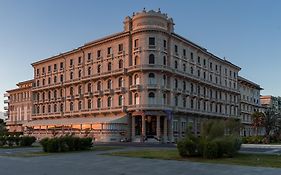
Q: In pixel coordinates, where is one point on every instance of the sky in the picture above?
(247, 33)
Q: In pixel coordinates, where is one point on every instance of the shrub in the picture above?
(26, 140)
(211, 150)
(66, 143)
(187, 147)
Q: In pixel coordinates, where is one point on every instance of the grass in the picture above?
(259, 160)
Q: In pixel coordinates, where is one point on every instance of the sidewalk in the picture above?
(261, 146)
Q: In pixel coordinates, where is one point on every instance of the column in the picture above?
(165, 129)
(170, 128)
(133, 128)
(143, 128)
(180, 129)
(158, 128)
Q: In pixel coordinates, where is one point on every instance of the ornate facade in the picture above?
(146, 83)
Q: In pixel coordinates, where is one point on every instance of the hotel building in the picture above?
(146, 83)
(249, 103)
(19, 106)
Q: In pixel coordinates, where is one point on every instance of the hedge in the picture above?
(65, 144)
(17, 140)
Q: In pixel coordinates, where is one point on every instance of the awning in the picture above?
(78, 120)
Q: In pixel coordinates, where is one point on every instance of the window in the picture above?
(198, 60)
(43, 70)
(176, 100)
(98, 68)
(99, 103)
(55, 79)
(61, 107)
(120, 100)
(43, 82)
(120, 63)
(49, 69)
(137, 79)
(89, 56)
(61, 78)
(165, 44)
(99, 86)
(176, 49)
(109, 101)
(37, 72)
(98, 53)
(136, 60)
(136, 43)
(80, 73)
(79, 60)
(79, 105)
(55, 67)
(89, 70)
(109, 50)
(191, 70)
(204, 62)
(136, 99)
(61, 65)
(191, 103)
(191, 88)
(176, 83)
(71, 106)
(55, 107)
(109, 66)
(49, 80)
(71, 91)
(71, 62)
(184, 85)
(191, 55)
(198, 73)
(151, 78)
(151, 97)
(151, 41)
(120, 82)
(89, 87)
(211, 65)
(164, 101)
(164, 60)
(71, 75)
(151, 59)
(80, 90)
(184, 67)
(55, 94)
(184, 102)
(184, 52)
(120, 47)
(176, 64)
(89, 104)
(109, 84)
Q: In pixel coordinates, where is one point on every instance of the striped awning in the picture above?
(78, 120)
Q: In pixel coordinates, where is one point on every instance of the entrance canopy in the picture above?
(78, 120)
(154, 113)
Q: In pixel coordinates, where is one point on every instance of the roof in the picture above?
(20, 88)
(246, 81)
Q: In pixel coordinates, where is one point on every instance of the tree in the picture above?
(258, 120)
(270, 121)
(3, 129)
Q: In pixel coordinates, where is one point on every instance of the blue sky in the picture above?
(247, 33)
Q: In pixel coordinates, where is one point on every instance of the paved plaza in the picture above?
(83, 163)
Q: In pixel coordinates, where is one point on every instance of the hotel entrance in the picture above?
(150, 126)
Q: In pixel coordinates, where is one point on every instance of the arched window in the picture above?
(109, 102)
(176, 83)
(80, 73)
(49, 108)
(99, 103)
(71, 106)
(55, 107)
(109, 66)
(120, 64)
(191, 87)
(79, 89)
(164, 100)
(89, 87)
(43, 82)
(89, 103)
(71, 75)
(164, 80)
(151, 59)
(184, 85)
(151, 78)
(38, 109)
(136, 99)
(137, 79)
(49, 80)
(43, 109)
(55, 79)
(151, 98)
(89, 70)
(71, 91)
(61, 78)
(43, 96)
(55, 94)
(136, 61)
(98, 68)
(98, 86)
(120, 82)
(120, 100)
(80, 105)
(109, 84)
(61, 107)
(49, 95)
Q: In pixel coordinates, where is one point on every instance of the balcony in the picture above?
(98, 93)
(110, 56)
(120, 90)
(6, 95)
(79, 96)
(88, 94)
(151, 86)
(70, 97)
(6, 101)
(108, 91)
(137, 49)
(135, 87)
(6, 108)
